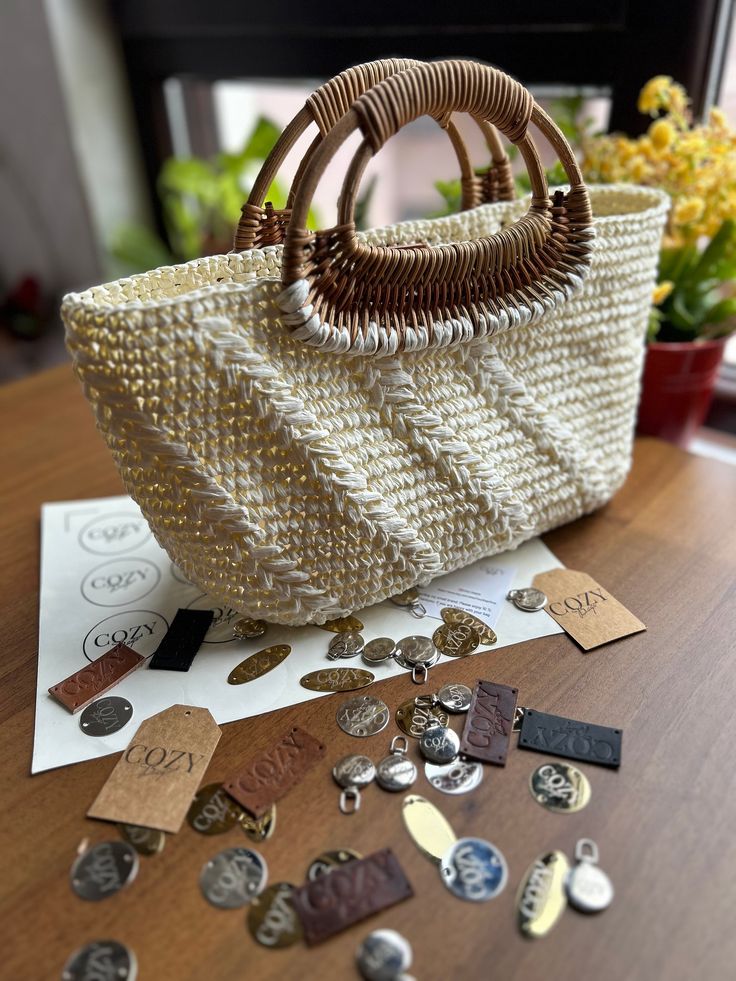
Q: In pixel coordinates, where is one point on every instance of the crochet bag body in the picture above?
(312, 427)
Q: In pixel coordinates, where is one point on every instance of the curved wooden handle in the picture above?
(347, 296)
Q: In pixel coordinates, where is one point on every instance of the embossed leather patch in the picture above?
(559, 736)
(489, 722)
(93, 680)
(182, 640)
(270, 775)
(349, 894)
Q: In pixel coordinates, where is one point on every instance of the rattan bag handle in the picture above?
(344, 295)
(259, 225)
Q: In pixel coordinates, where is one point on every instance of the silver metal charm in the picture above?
(455, 698)
(363, 716)
(345, 645)
(459, 777)
(106, 716)
(384, 955)
(588, 887)
(530, 599)
(101, 959)
(103, 870)
(233, 877)
(378, 650)
(395, 771)
(351, 773)
(439, 744)
(418, 654)
(473, 869)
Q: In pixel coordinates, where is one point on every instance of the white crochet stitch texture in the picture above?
(298, 485)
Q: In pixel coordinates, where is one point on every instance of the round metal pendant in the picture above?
(410, 597)
(395, 771)
(272, 920)
(337, 679)
(451, 614)
(258, 664)
(101, 959)
(418, 714)
(212, 811)
(363, 715)
(259, 829)
(233, 877)
(456, 639)
(560, 787)
(327, 861)
(459, 777)
(455, 698)
(345, 645)
(588, 887)
(146, 841)
(354, 771)
(439, 744)
(378, 650)
(384, 955)
(247, 629)
(104, 870)
(106, 716)
(541, 900)
(530, 600)
(414, 650)
(473, 869)
(342, 625)
(429, 828)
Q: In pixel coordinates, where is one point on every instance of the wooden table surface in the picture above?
(665, 822)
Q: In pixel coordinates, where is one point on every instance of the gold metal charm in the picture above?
(418, 714)
(259, 829)
(247, 629)
(212, 811)
(337, 679)
(272, 919)
(451, 614)
(560, 787)
(342, 625)
(258, 664)
(409, 600)
(146, 841)
(456, 639)
(541, 899)
(429, 829)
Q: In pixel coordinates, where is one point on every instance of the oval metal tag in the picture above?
(429, 828)
(541, 900)
(451, 614)
(342, 625)
(337, 679)
(258, 664)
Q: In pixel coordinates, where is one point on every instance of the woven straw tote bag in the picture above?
(312, 427)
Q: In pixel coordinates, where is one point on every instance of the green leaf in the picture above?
(720, 311)
(363, 204)
(138, 249)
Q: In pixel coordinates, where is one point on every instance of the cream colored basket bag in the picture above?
(312, 428)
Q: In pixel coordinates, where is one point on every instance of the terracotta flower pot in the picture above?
(677, 388)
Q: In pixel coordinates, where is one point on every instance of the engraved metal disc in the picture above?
(327, 861)
(429, 828)
(259, 829)
(416, 650)
(379, 649)
(106, 716)
(451, 614)
(213, 811)
(258, 664)
(272, 920)
(439, 744)
(384, 955)
(473, 869)
(458, 777)
(103, 870)
(345, 645)
(342, 625)
(395, 772)
(530, 600)
(456, 639)
(541, 899)
(354, 771)
(101, 959)
(418, 714)
(455, 698)
(363, 715)
(410, 597)
(146, 841)
(337, 679)
(233, 877)
(560, 787)
(588, 888)
(248, 629)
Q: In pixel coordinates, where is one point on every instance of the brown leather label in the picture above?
(349, 894)
(270, 776)
(87, 684)
(489, 723)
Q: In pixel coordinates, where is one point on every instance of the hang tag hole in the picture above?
(187, 713)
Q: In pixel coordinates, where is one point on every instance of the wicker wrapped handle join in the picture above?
(261, 225)
(343, 295)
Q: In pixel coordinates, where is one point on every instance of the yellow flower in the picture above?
(661, 291)
(718, 118)
(661, 133)
(638, 169)
(651, 95)
(687, 210)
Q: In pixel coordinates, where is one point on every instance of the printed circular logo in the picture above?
(114, 534)
(142, 630)
(120, 581)
(221, 629)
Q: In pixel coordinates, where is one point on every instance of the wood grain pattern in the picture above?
(666, 547)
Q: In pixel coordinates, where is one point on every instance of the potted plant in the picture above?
(694, 302)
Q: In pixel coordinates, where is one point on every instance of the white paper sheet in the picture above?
(104, 579)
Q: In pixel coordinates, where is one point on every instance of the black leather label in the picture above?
(581, 741)
(182, 640)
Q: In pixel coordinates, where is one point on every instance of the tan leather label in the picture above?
(157, 776)
(272, 774)
(584, 609)
(93, 680)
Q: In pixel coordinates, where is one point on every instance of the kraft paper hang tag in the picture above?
(157, 776)
(585, 610)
